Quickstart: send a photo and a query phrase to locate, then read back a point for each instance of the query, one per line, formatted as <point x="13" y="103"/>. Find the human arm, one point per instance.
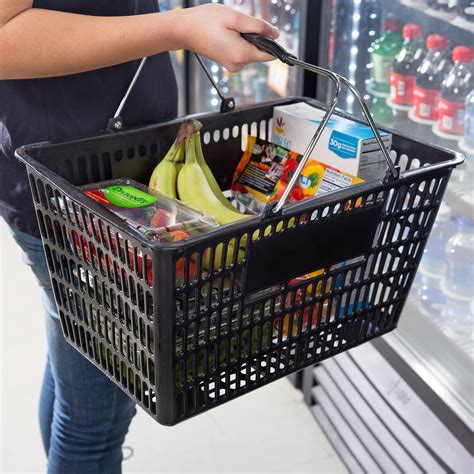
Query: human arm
<point x="38" y="43"/>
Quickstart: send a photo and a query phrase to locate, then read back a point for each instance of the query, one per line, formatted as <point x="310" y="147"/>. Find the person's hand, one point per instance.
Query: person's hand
<point x="213" y="30"/>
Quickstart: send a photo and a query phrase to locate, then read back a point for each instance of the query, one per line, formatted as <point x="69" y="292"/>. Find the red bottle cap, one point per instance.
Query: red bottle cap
<point x="436" y="42"/>
<point x="463" y="54"/>
<point x="391" y="24"/>
<point x="412" y="31"/>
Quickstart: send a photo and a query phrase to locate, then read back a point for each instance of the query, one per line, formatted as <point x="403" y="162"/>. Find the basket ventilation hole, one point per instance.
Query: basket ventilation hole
<point x="235" y="131"/>
<point x="263" y="130"/>
<point x="216" y="136"/>
<point x="206" y="138"/>
<point x="244" y="135"/>
<point x="226" y="133"/>
<point x="254" y="129"/>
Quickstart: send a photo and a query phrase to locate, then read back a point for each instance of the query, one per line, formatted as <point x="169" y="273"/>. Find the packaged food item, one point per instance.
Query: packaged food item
<point x="265" y="170"/>
<point x="153" y="214"/>
<point x="316" y="178"/>
<point x="344" y="145"/>
<point x="258" y="172"/>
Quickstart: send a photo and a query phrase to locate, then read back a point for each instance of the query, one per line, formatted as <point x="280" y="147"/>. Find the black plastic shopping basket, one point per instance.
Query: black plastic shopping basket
<point x="179" y="347"/>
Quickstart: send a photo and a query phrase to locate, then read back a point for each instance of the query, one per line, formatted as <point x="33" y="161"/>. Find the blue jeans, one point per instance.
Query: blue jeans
<point x="83" y="416"/>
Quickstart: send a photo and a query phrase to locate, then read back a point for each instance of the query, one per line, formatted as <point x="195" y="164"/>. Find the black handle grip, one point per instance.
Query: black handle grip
<point x="269" y="46"/>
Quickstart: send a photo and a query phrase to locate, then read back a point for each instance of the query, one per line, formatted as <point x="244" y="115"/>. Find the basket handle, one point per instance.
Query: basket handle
<point x="271" y="47"/>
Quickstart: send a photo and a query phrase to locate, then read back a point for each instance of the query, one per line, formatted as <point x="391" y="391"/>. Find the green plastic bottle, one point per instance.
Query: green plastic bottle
<point x="383" y="51"/>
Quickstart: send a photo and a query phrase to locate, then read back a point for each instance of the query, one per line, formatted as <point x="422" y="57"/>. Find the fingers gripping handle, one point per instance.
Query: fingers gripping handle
<point x="268" y="46"/>
<point x="271" y="47"/>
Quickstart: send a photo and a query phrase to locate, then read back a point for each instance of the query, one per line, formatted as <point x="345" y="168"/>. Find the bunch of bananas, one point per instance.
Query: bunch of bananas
<point x="184" y="174"/>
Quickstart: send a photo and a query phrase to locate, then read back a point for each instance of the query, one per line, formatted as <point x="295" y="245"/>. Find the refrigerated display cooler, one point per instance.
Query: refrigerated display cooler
<point x="417" y="416"/>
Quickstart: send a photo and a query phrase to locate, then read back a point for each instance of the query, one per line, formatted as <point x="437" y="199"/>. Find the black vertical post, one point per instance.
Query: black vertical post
<point x="187" y="71"/>
<point x="316" y="40"/>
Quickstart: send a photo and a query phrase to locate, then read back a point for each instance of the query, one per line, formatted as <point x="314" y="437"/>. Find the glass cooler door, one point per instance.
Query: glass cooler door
<point x="256" y="82"/>
<point x="177" y="58"/>
<point x="413" y="62"/>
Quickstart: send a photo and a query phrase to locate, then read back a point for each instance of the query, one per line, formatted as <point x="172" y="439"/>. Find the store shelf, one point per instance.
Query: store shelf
<point x="454" y="28"/>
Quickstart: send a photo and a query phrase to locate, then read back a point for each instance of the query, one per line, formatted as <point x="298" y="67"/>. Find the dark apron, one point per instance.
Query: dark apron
<point x="59" y="108"/>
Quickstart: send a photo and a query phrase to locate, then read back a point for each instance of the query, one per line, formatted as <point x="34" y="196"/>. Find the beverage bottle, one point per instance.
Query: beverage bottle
<point x="454" y="89"/>
<point x="402" y="77"/>
<point x="433" y="265"/>
<point x="458" y="280"/>
<point x="469" y="120"/>
<point x="465" y="9"/>
<point x="429" y="77"/>
<point x="383" y="51"/>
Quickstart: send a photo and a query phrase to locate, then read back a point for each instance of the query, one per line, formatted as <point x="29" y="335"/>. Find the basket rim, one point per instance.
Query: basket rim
<point x="24" y="155"/>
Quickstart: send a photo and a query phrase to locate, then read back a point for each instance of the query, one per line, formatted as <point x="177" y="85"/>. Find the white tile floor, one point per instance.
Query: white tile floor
<point x="270" y="430"/>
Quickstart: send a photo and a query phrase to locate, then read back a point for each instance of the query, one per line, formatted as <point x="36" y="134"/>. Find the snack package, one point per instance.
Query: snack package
<point x="258" y="172"/>
<point x="265" y="170"/>
<point x="156" y="216"/>
<point x="316" y="178"/>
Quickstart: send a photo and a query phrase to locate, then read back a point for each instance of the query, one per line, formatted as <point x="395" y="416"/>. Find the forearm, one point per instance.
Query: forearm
<point x="45" y="43"/>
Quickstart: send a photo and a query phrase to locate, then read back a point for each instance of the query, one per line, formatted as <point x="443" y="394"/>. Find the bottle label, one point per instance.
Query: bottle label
<point x="451" y="117"/>
<point x="426" y="102"/>
<point x="382" y="68"/>
<point x="401" y="89"/>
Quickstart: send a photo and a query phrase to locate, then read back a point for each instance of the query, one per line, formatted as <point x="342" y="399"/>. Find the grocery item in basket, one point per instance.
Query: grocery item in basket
<point x="164" y="176"/>
<point x="316" y="178"/>
<point x="151" y="213"/>
<point x="258" y="172"/>
<point x="196" y="188"/>
<point x="265" y="170"/>
<point x="345" y="145"/>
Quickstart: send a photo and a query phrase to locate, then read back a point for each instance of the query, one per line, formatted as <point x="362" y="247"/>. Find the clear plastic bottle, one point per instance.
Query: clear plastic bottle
<point x="458" y="280"/>
<point x="433" y="265"/>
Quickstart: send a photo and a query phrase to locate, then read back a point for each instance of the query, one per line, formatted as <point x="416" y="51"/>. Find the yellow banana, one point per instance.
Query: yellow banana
<point x="209" y="176"/>
<point x="194" y="189"/>
<point x="218" y="257"/>
<point x="163" y="178"/>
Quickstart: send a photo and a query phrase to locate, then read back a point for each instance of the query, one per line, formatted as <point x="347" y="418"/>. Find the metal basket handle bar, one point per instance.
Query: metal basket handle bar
<point x="271" y="47"/>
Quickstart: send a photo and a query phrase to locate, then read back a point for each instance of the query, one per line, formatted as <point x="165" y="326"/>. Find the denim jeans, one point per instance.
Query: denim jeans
<point x="83" y="416"/>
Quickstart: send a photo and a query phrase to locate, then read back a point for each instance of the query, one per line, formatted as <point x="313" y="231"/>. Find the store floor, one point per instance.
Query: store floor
<point x="270" y="430"/>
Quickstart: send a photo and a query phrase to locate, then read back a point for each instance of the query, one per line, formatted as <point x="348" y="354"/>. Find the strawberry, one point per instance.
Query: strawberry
<point x="161" y="218"/>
